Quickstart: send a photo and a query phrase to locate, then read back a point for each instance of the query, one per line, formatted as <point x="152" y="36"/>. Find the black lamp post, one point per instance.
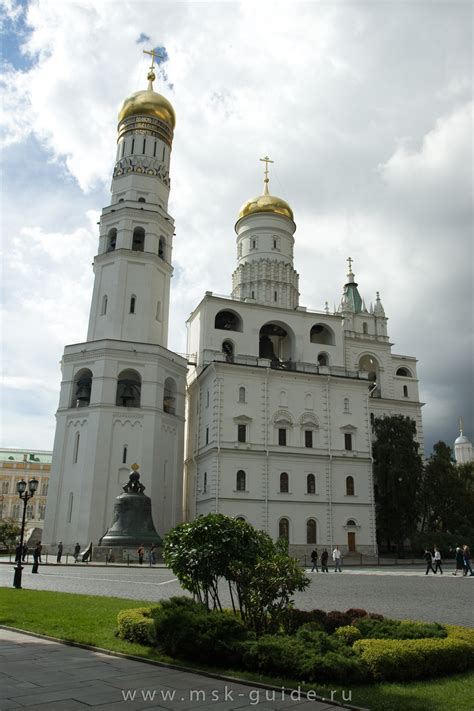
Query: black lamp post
<point x="25" y="495"/>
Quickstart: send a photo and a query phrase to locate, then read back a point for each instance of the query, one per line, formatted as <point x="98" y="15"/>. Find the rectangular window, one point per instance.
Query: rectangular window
<point x="154" y="150"/>
<point x="241" y="433"/>
<point x="308" y="438"/>
<point x="124" y="455"/>
<point x="275" y="296"/>
<point x="207" y="435"/>
<point x="282" y="437"/>
<point x="348" y="442"/>
<point x="207" y="398"/>
<point x="204" y="485"/>
<point x="144" y="145"/>
<point x="133" y="145"/>
<point x="76" y="447"/>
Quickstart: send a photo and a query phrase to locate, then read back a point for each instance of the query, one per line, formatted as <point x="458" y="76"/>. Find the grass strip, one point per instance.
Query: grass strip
<point x="89" y="619"/>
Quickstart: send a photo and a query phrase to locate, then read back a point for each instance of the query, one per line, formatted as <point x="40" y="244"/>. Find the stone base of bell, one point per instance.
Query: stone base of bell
<point x="124" y="554"/>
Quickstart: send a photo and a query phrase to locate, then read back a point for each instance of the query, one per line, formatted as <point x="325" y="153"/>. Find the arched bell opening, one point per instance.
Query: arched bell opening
<point x="228" y="321"/>
<point x="276" y="342"/>
<point x="169" y="397"/>
<point x="138" y="240"/>
<point x="129" y="385"/>
<point x="81" y="392"/>
<point x="111" y="239"/>
<point x="228" y="350"/>
<point x="369" y="364"/>
<point x="322" y="334"/>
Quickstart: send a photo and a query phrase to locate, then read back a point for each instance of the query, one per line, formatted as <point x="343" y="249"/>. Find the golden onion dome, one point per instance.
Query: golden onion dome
<point x="266" y="203"/>
<point x="148" y="103"/>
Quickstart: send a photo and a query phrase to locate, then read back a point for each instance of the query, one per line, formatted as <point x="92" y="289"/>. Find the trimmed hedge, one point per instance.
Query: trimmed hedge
<point x="348" y="634"/>
<point x="398" y="629"/>
<point x="411" y="659"/>
<point x="137" y="625"/>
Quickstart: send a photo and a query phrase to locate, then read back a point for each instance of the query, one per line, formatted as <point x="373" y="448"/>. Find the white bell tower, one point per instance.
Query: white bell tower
<point x="122" y="393"/>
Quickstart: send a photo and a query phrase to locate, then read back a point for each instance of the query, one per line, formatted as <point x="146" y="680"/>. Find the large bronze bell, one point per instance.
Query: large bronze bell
<point x="133" y="522"/>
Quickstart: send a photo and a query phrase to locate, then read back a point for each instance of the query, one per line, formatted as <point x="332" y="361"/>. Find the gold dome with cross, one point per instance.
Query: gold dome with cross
<point x="148" y="102"/>
<point x="266" y="202"/>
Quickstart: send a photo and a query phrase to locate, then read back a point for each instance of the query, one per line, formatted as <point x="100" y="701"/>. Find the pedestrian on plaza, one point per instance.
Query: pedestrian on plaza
<point x="36" y="558"/>
<point x="437" y="560"/>
<point x="110" y="556"/>
<point x="24" y="552"/>
<point x="314" y="560"/>
<point x="337" y="558"/>
<point x="141" y="553"/>
<point x="467" y="560"/>
<point x="77" y="550"/>
<point x="459" y="560"/>
<point x="152" y="555"/>
<point x="60" y="552"/>
<point x="324" y="561"/>
<point x="429" y="561"/>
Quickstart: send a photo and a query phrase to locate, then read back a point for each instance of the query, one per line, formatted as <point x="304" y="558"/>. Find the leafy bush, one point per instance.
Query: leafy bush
<point x="335" y="667"/>
<point x="398" y="629"/>
<point x="276" y="655"/>
<point x="295" y="618"/>
<point x="137" y="625"/>
<point x="187" y="629"/>
<point x="410" y="659"/>
<point x="355" y="612"/>
<point x="336" y="619"/>
<point x="348" y="634"/>
<point x="319" y="642"/>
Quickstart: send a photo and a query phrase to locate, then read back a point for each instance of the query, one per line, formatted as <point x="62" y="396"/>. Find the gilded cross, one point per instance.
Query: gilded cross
<point x="154" y="55"/>
<point x="349" y="260"/>
<point x="266" y="160"/>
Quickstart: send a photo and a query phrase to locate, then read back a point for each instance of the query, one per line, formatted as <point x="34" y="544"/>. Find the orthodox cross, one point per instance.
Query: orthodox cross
<point x="266" y="160"/>
<point x="349" y="260"/>
<point x="154" y="55"/>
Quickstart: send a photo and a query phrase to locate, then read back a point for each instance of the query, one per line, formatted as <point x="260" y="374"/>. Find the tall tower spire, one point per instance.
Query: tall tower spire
<point x="265" y="272"/>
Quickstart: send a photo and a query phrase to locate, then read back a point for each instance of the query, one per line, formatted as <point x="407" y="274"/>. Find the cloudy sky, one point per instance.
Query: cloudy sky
<point x="365" y="109"/>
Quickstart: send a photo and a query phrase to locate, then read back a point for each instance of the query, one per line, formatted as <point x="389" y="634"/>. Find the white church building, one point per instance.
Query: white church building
<point x="279" y="399"/>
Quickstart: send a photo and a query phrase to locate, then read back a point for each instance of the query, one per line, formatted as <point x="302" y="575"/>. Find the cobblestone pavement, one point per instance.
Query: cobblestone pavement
<point x="39" y="674"/>
<point x="398" y="592"/>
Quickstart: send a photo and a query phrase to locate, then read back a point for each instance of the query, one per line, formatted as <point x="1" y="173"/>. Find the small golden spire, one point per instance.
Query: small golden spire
<point x="135" y="467"/>
<point x="266" y="180"/>
<point x="151" y="73"/>
<point x="349" y="260"/>
<point x="461" y="426"/>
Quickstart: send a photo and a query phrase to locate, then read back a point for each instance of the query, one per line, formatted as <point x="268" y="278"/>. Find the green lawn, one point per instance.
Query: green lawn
<point x="92" y="620"/>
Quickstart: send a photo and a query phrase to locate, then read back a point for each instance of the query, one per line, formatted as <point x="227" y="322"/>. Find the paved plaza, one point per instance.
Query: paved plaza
<point x="38" y="674"/>
<point x="397" y="592"/>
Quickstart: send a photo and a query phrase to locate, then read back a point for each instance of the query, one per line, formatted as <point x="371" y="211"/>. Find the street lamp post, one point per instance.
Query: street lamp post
<point x="25" y="495"/>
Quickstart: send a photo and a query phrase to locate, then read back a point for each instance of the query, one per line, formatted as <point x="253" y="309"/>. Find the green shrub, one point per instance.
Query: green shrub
<point x="295" y="618"/>
<point x="319" y="642"/>
<point x="348" y="634"/>
<point x="137" y="625"/>
<point x="398" y="629"/>
<point x="276" y="655"/>
<point x="355" y="612"/>
<point x="186" y="629"/>
<point x="335" y="619"/>
<point x="411" y="659"/>
<point x="336" y="667"/>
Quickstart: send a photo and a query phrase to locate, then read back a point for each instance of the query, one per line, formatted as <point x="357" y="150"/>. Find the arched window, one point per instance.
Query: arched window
<point x="284" y="483"/>
<point x="369" y="365"/>
<point x="75" y="455"/>
<point x="103" y="310"/>
<point x="405" y="391"/>
<point x="141" y="199"/>
<point x="350" y="491"/>
<point x="129" y="385"/>
<point x="311" y="531"/>
<point x="161" y="248"/>
<point x="323" y="359"/>
<point x="322" y="334"/>
<point x="228" y="349"/>
<point x="111" y="239"/>
<point x="365" y="328"/>
<point x="240" y="518"/>
<point x="241" y="394"/>
<point x="124" y="454"/>
<point x="351" y="522"/>
<point x="81" y="390"/>
<point x="138" y="241"/>
<point x="346" y="405"/>
<point x="133" y="301"/>
<point x="372" y="419"/>
<point x="284" y="529"/>
<point x="29" y="511"/>
<point x="276" y="342"/>
<point x="404" y="373"/>
<point x="169" y="396"/>
<point x="240" y="483"/>
<point x="204" y="483"/>
<point x="228" y="321"/>
<point x="310" y="484"/>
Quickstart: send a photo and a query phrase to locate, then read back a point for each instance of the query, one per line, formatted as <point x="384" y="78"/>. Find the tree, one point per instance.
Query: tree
<point x="9" y="533"/>
<point x="397" y="478"/>
<point x="260" y="575"/>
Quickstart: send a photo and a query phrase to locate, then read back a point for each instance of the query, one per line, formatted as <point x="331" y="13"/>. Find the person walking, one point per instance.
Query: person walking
<point x="141" y="553"/>
<point x="437" y="560"/>
<point x="36" y="558"/>
<point x="337" y="558"/>
<point x="324" y="561"/>
<point x="459" y="560"/>
<point x="77" y="550"/>
<point x="152" y="555"/>
<point x="60" y="552"/>
<point x="429" y="561"/>
<point x="466" y="553"/>
<point x="314" y="560"/>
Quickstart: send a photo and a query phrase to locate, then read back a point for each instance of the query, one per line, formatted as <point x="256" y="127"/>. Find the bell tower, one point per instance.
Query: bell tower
<point x="122" y="392"/>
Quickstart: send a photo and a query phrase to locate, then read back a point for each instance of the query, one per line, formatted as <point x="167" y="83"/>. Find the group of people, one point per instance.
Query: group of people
<point x="151" y="554"/>
<point x="462" y="560"/>
<point x="336" y="556"/>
